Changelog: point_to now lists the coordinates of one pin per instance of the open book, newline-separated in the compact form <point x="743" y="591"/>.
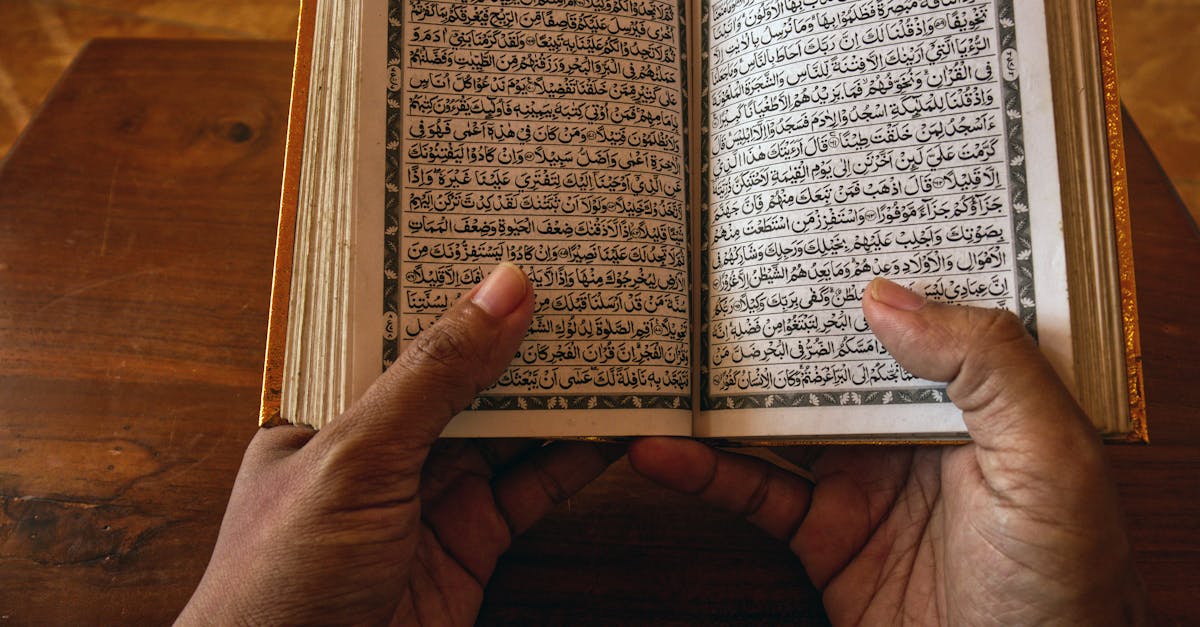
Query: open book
<point x="700" y="191"/>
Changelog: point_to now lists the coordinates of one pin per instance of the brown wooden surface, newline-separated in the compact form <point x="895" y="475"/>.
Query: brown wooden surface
<point x="137" y="221"/>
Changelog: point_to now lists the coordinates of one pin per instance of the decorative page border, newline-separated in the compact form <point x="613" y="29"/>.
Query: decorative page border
<point x="1006" y="53"/>
<point x="391" y="194"/>
<point x="1018" y="183"/>
<point x="392" y="244"/>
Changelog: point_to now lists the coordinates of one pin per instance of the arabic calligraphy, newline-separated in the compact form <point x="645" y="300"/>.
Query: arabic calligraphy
<point x="549" y="133"/>
<point x="849" y="140"/>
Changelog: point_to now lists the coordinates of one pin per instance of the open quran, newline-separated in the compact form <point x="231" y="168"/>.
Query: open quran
<point x="699" y="191"/>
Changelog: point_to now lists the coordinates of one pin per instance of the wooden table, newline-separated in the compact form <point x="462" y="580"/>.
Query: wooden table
<point x="137" y="218"/>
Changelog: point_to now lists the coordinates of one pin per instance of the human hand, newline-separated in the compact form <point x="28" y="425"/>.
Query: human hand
<point x="1019" y="527"/>
<point x="361" y="522"/>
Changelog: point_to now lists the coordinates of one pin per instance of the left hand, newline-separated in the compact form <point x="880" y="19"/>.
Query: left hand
<point x="361" y="522"/>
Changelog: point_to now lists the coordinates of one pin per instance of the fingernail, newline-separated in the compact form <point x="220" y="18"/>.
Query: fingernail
<point x="502" y="291"/>
<point x="894" y="296"/>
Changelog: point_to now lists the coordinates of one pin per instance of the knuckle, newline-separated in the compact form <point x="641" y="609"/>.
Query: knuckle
<point x="339" y="470"/>
<point x="757" y="498"/>
<point x="993" y="338"/>
<point x="271" y="444"/>
<point x="997" y="344"/>
<point x="553" y="488"/>
<point x="445" y="344"/>
<point x="443" y="365"/>
<point x="993" y="329"/>
<point x="1004" y="325"/>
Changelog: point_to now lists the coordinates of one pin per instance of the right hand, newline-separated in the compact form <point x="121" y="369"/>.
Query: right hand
<point x="1019" y="527"/>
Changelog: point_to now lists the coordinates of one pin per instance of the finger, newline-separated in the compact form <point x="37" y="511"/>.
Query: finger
<point x="856" y="488"/>
<point x="440" y="373"/>
<point x="475" y="521"/>
<point x="768" y="496"/>
<point x="550" y="476"/>
<point x="1010" y="396"/>
<point x="485" y="458"/>
<point x="800" y="459"/>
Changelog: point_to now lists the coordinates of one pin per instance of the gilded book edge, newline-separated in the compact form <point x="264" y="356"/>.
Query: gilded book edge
<point x="269" y="413"/>
<point x="1118" y="179"/>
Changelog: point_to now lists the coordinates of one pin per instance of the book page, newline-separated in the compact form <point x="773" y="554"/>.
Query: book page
<point x="549" y="134"/>
<point x="863" y="138"/>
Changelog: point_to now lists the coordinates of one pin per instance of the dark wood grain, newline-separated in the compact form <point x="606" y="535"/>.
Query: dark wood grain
<point x="1160" y="483"/>
<point x="137" y="220"/>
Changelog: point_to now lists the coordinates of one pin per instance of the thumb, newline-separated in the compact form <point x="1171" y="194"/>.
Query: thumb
<point x="441" y="371"/>
<point x="1011" y="398"/>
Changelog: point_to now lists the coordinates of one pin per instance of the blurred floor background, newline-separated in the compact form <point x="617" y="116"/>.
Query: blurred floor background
<point x="1158" y="51"/>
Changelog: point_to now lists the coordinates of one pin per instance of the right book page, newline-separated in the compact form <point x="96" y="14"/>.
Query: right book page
<point x="854" y="139"/>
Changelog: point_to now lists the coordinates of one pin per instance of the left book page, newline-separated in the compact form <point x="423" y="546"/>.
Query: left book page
<point x="550" y="134"/>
